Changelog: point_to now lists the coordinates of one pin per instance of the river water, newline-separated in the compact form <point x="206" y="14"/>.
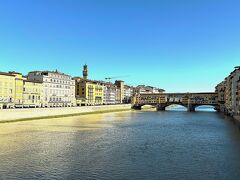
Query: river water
<point x="129" y="145"/>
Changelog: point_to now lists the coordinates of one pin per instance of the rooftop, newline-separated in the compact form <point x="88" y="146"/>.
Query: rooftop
<point x="34" y="81"/>
<point x="46" y="71"/>
<point x="6" y="74"/>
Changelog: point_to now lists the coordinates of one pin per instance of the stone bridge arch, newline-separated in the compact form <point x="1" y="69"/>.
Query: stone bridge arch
<point x="139" y="106"/>
<point x="215" y="106"/>
<point x="163" y="106"/>
<point x="188" y="100"/>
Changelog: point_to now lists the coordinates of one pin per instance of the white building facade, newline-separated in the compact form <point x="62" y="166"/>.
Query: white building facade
<point x="58" y="88"/>
<point x="110" y="94"/>
<point x="147" y="89"/>
<point x="128" y="93"/>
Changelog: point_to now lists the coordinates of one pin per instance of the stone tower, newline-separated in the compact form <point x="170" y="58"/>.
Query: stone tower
<point x="120" y="86"/>
<point x="85" y="72"/>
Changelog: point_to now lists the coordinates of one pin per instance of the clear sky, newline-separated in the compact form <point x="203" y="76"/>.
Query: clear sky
<point x="178" y="45"/>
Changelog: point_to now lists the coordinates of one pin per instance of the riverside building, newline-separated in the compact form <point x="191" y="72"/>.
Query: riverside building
<point x="142" y="89"/>
<point x="18" y="99"/>
<point x="120" y="91"/>
<point x="231" y="91"/>
<point x="128" y="93"/>
<point x="110" y="93"/>
<point x="8" y="90"/>
<point x="18" y="92"/>
<point x="235" y="77"/>
<point x="221" y="91"/>
<point x="58" y="88"/>
<point x="88" y="92"/>
<point x="11" y="89"/>
<point x="231" y="96"/>
<point x="238" y="98"/>
<point x="228" y="95"/>
<point x="32" y="93"/>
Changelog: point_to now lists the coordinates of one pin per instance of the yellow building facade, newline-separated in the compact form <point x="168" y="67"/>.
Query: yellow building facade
<point x="18" y="99"/>
<point x="89" y="92"/>
<point x="7" y="90"/>
<point x="32" y="93"/>
<point x="17" y="91"/>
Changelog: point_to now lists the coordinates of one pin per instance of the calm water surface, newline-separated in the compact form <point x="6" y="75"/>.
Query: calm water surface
<point x="129" y="145"/>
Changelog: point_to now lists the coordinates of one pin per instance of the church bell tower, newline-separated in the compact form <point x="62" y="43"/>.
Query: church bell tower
<point x="85" y="72"/>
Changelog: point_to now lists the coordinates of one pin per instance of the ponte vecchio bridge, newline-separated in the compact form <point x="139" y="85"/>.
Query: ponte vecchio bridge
<point x="163" y="100"/>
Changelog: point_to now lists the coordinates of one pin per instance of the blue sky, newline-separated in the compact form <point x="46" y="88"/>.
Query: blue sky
<point x="181" y="46"/>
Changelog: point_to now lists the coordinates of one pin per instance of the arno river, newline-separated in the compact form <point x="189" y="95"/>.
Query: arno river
<point x="128" y="145"/>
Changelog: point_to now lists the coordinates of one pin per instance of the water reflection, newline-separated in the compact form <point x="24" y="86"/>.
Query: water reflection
<point x="129" y="145"/>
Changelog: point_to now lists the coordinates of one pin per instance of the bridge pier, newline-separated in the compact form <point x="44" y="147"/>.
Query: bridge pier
<point x="161" y="107"/>
<point x="137" y="107"/>
<point x="191" y="108"/>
